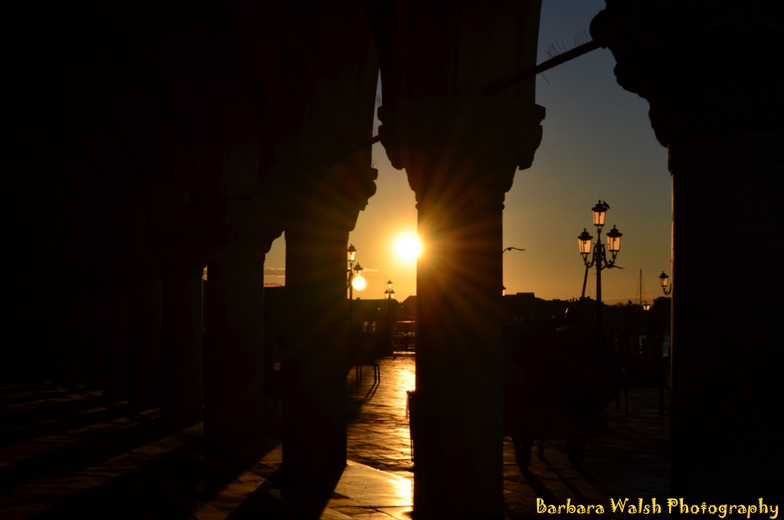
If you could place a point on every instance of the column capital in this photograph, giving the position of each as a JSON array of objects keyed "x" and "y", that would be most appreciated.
[
  {"x": 334, "y": 191},
  {"x": 484, "y": 139},
  {"x": 704, "y": 67},
  {"x": 244, "y": 227}
]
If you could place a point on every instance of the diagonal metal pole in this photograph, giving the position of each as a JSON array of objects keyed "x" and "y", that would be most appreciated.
[{"x": 498, "y": 86}]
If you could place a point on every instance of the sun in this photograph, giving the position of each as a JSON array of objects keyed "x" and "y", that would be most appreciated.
[{"x": 408, "y": 247}]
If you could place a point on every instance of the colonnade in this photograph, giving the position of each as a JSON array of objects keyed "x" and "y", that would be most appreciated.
[{"x": 212, "y": 129}]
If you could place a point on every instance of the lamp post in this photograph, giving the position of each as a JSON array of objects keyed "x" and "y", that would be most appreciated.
[
  {"x": 351, "y": 255},
  {"x": 664, "y": 281},
  {"x": 389, "y": 295},
  {"x": 354, "y": 280},
  {"x": 358, "y": 282},
  {"x": 598, "y": 256},
  {"x": 354, "y": 272}
]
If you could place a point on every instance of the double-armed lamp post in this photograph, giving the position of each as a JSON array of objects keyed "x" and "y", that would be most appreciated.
[
  {"x": 389, "y": 294},
  {"x": 597, "y": 257}
]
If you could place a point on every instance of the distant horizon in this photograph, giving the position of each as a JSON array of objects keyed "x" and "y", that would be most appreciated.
[{"x": 573, "y": 299}]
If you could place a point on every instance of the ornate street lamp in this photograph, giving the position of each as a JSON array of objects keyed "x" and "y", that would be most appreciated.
[
  {"x": 389, "y": 294},
  {"x": 664, "y": 282},
  {"x": 597, "y": 256},
  {"x": 584, "y": 243},
  {"x": 599, "y": 213},
  {"x": 358, "y": 282},
  {"x": 614, "y": 241}
]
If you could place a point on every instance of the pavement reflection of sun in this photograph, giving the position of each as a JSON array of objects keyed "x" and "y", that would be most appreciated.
[
  {"x": 406, "y": 380},
  {"x": 404, "y": 489}
]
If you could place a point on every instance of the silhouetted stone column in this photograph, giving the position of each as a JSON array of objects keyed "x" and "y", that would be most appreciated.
[
  {"x": 178, "y": 224},
  {"x": 712, "y": 74},
  {"x": 181, "y": 356},
  {"x": 460, "y": 149},
  {"x": 61, "y": 341},
  {"x": 77, "y": 366},
  {"x": 95, "y": 329},
  {"x": 315, "y": 350},
  {"x": 238, "y": 231},
  {"x": 726, "y": 372},
  {"x": 233, "y": 329},
  {"x": 115, "y": 342},
  {"x": 322, "y": 178},
  {"x": 233, "y": 346},
  {"x": 144, "y": 353},
  {"x": 460, "y": 154},
  {"x": 314, "y": 363},
  {"x": 458, "y": 421}
]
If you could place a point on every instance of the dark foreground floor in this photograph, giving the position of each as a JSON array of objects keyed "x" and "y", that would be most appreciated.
[{"x": 64, "y": 454}]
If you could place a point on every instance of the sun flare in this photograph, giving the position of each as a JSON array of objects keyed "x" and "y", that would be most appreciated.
[{"x": 408, "y": 247}]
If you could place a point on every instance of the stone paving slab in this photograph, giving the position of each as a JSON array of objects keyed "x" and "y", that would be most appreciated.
[{"x": 368, "y": 491}]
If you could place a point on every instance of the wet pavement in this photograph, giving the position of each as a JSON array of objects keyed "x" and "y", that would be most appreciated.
[
  {"x": 632, "y": 462},
  {"x": 63, "y": 454},
  {"x": 378, "y": 429}
]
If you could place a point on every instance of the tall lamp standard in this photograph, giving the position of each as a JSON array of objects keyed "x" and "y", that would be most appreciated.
[
  {"x": 389, "y": 295},
  {"x": 664, "y": 282},
  {"x": 354, "y": 280},
  {"x": 354, "y": 272},
  {"x": 598, "y": 256},
  {"x": 351, "y": 255}
]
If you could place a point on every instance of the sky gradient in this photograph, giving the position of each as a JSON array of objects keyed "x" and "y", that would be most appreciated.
[{"x": 597, "y": 144}]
